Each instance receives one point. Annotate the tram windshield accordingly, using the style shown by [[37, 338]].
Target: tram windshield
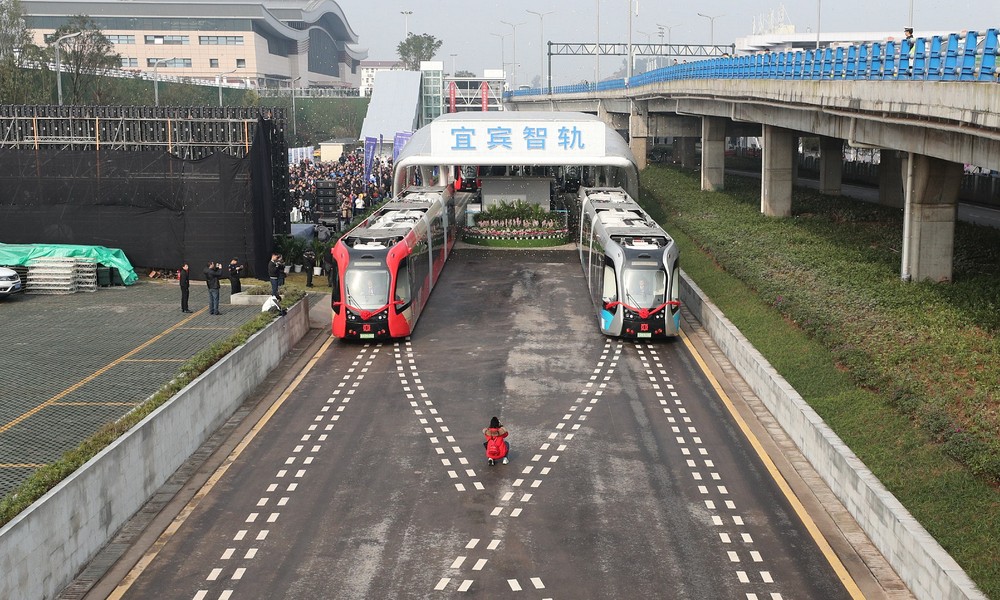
[[367, 289], [644, 287]]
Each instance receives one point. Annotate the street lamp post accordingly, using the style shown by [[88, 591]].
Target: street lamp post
[[597, 46], [541, 41], [406, 23], [819, 19], [631, 57], [156, 79], [59, 63], [453, 55], [220, 75], [503, 59], [294, 129], [712, 26], [513, 51]]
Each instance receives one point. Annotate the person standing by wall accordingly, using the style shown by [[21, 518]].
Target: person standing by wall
[[212, 275], [328, 266], [272, 273], [235, 270], [308, 263], [184, 275]]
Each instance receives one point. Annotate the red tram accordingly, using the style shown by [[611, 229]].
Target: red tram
[[385, 268]]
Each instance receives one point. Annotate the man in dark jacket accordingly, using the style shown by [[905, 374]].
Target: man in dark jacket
[[308, 262], [272, 273], [328, 266], [212, 275], [184, 275], [235, 269]]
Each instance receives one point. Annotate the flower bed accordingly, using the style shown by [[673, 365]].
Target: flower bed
[[517, 222]]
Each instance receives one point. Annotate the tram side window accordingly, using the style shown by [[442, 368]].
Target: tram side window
[[403, 295], [610, 293], [335, 283]]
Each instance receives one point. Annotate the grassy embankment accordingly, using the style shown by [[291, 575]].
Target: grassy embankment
[[906, 373]]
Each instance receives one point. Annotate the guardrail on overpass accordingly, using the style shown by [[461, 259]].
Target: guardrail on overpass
[[931, 107]]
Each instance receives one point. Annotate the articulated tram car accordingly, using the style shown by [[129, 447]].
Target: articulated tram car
[[631, 266], [385, 268]]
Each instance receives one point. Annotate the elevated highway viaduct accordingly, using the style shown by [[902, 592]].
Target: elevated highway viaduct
[[927, 131]]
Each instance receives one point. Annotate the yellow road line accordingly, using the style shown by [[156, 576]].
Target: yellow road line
[[95, 374], [810, 525], [154, 360], [95, 403], [175, 525]]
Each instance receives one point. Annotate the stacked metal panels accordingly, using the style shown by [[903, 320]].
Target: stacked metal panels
[[52, 275]]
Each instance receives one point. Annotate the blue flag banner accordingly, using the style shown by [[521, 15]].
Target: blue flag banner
[[398, 142], [370, 143]]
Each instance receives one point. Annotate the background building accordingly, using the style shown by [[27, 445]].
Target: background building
[[261, 43], [368, 70]]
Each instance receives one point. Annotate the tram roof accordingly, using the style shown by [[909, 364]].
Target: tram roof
[[518, 138]]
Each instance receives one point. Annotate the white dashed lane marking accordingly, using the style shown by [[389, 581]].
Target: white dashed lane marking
[[547, 454], [452, 458], [690, 442], [305, 452]]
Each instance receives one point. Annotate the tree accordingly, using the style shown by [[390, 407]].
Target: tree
[[83, 57], [16, 48], [465, 74], [417, 48]]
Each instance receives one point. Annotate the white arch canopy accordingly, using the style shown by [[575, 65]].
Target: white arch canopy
[[517, 138]]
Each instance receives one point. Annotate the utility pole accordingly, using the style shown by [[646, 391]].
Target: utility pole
[[59, 63]]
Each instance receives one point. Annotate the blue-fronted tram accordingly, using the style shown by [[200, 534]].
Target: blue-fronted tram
[[631, 266]]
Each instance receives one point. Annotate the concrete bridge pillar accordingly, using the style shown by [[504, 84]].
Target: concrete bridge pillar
[[831, 165], [684, 147], [929, 217], [713, 153], [638, 133], [890, 178], [777, 156]]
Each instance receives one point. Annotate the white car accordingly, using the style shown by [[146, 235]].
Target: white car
[[10, 282]]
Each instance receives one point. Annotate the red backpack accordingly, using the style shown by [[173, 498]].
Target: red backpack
[[495, 447]]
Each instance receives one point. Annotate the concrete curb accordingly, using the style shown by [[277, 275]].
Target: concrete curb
[[44, 547], [922, 564]]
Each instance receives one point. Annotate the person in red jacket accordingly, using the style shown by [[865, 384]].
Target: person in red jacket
[[496, 445]]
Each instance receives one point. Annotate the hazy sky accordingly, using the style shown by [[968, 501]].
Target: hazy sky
[[466, 26]]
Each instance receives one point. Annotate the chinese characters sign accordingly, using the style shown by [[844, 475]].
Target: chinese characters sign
[[518, 141]]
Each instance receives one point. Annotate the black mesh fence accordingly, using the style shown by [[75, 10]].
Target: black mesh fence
[[160, 210]]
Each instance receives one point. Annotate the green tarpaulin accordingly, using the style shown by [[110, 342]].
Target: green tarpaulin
[[22, 254]]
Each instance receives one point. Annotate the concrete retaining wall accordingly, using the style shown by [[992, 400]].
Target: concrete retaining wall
[[929, 571], [45, 546]]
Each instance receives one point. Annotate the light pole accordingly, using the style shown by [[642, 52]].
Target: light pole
[[631, 56], [156, 79], [59, 63], [712, 26], [819, 19], [669, 43], [541, 41], [406, 23], [597, 47], [220, 84], [910, 21], [294, 129], [453, 55], [513, 51], [503, 59]]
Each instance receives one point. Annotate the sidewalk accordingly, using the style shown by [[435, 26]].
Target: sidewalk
[[76, 362]]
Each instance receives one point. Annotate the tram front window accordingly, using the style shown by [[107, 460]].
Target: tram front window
[[366, 289], [645, 288]]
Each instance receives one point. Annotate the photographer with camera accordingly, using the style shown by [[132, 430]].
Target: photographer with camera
[[235, 271], [212, 275]]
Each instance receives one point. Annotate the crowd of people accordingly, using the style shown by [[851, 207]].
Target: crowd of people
[[353, 195]]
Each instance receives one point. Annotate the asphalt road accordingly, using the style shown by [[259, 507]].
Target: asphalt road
[[628, 476]]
